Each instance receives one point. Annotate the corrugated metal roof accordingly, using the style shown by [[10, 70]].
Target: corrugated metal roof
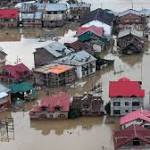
[[4, 89], [81, 4], [36, 15], [129, 11], [76, 59], [130, 31], [56, 7], [57, 49]]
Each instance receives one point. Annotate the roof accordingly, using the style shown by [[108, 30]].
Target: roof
[[2, 51], [77, 45], [80, 5], [104, 15], [3, 94], [145, 12], [21, 87], [77, 59], [56, 7], [4, 89], [99, 31], [134, 32], [138, 114], [125, 88], [8, 13], [61, 99], [129, 11], [57, 49], [123, 137], [16, 70], [53, 68]]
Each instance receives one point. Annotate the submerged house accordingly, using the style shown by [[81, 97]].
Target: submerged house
[[79, 10], [130, 19], [45, 55], [5, 99], [54, 75], [101, 18], [22, 91], [55, 15], [55, 106], [125, 96], [9, 17], [88, 104], [84, 63], [15, 72], [139, 117], [130, 41], [2, 57], [133, 137]]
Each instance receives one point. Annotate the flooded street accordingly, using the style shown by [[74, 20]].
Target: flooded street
[[82, 133]]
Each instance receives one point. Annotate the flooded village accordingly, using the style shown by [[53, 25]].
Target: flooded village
[[74, 75]]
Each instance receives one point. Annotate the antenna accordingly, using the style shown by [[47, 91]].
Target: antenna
[[132, 3]]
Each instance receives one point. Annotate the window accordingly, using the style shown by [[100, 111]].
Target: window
[[116, 103], [126, 111], [116, 112], [136, 142], [57, 108], [126, 103], [135, 103]]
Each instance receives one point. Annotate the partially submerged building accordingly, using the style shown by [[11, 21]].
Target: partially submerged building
[[84, 63], [125, 96], [9, 17], [130, 41], [55, 106], [139, 117], [45, 55], [15, 72], [55, 15], [54, 75], [133, 137], [5, 99]]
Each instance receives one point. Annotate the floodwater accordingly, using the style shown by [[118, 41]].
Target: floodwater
[[82, 133]]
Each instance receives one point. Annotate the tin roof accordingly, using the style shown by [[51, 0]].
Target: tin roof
[[123, 137], [134, 32], [80, 5], [57, 49], [99, 31], [56, 7], [138, 114], [4, 88], [53, 68], [8, 13], [36, 15], [129, 11], [78, 58], [125, 88]]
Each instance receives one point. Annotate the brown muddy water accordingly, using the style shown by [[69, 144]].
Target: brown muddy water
[[83, 133]]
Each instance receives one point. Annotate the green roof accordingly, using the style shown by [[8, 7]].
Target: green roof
[[21, 87]]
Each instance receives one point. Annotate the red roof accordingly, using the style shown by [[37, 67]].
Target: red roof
[[125, 88], [123, 137], [8, 13], [138, 114], [99, 31], [60, 99], [15, 71]]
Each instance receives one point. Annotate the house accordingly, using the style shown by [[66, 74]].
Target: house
[[139, 117], [54, 75], [5, 99], [9, 17], [2, 57], [130, 41], [101, 18], [55, 106], [31, 19], [79, 10], [22, 91], [130, 19], [88, 104], [55, 15], [125, 96], [45, 55], [84, 63], [15, 72], [133, 137]]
